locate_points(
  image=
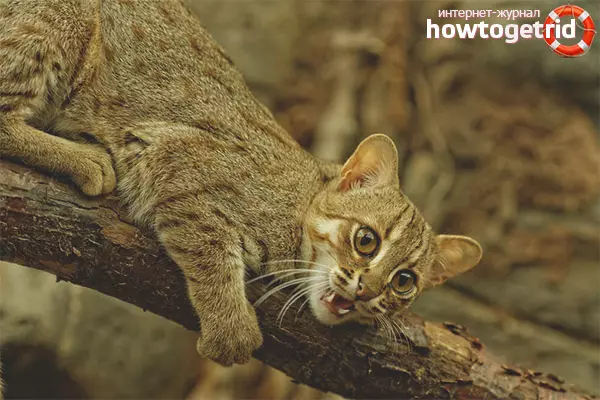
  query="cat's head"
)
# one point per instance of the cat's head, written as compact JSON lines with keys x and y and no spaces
{"x":372,"y":250}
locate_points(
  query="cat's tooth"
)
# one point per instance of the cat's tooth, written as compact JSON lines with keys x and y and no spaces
{"x":329,"y":298}
{"x":343,"y":311}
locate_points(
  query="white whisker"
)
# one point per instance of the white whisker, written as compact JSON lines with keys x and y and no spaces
{"x":283,"y":286}
{"x":282,"y":277}
{"x":301,"y":307}
{"x":396,"y":329}
{"x":297,"y":296}
{"x":314,"y":281}
{"x":382,"y":324}
{"x":321,"y":291}
{"x":296,"y":261}
{"x":402,"y":329}
{"x":390,"y":329}
{"x":298,"y":270}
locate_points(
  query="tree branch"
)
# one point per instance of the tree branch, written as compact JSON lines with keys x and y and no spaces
{"x":48,"y":225}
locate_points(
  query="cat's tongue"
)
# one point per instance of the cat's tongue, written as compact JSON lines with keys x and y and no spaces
{"x":337,"y":304}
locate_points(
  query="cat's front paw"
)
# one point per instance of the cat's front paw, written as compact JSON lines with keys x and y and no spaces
{"x":93,"y":172}
{"x":230,"y":340}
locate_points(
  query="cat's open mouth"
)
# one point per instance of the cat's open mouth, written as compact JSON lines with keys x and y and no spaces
{"x":336,"y":304}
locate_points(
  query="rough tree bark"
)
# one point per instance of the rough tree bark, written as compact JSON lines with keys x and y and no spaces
{"x":48,"y":225}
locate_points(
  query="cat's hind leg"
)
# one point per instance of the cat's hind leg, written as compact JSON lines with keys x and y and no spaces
{"x":35,"y":71}
{"x":89,"y":166}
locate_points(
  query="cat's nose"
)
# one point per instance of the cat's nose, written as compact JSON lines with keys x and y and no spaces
{"x":361,"y":291}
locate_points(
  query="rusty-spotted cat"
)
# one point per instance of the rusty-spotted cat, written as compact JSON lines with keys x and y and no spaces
{"x":196,"y":157}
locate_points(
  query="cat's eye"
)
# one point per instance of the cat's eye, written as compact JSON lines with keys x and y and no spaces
{"x":404,"y":282}
{"x":366,"y":242}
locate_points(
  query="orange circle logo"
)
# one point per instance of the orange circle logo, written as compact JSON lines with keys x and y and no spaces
{"x":582,"y":16}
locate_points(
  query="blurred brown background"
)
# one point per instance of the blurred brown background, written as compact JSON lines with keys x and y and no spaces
{"x":497,"y":141}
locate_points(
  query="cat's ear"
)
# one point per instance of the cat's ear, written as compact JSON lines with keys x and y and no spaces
{"x":456,"y":254}
{"x":374,"y":163}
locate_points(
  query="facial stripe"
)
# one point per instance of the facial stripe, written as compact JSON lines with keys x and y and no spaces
{"x":383,"y":304}
{"x":396,"y":220}
{"x":347,"y":272}
{"x":376,"y":306}
{"x":356,"y":218}
{"x":418,"y":242}
{"x":401,"y":226}
{"x":343,"y":281}
{"x":417,"y":252}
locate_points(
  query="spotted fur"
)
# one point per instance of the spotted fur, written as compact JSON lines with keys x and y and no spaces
{"x":198,"y":159}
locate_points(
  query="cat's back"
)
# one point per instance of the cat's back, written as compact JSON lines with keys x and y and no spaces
{"x":162,"y":65}
{"x":156,"y":42}
{"x":136,"y":62}
{"x":160,"y":61}
{"x":154,"y":61}
{"x":128,"y":60}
